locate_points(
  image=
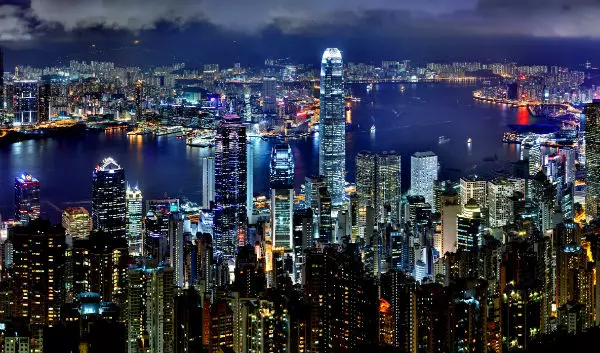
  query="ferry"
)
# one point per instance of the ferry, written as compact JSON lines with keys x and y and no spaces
{"x":373,"y":128}
{"x":469,"y":140}
{"x":443,"y":139}
{"x":369,"y":87}
{"x":202,"y":139}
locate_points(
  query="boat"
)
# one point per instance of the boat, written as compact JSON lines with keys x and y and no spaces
{"x":443,"y":139}
{"x":369,"y":87}
{"x":373,"y":128}
{"x":201,"y":140}
{"x":469,"y":140}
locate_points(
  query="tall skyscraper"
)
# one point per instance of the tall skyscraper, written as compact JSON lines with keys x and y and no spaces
{"x":76,"y":222}
{"x":250,"y":181}
{"x":133,"y":198}
{"x":365,"y":178}
{"x":472,"y":187}
{"x":269,"y":91}
{"x":469,"y":227}
{"x":139,"y":92}
{"x":388,"y":185}
{"x":332,"y":128}
{"x":208,"y":181}
{"x":109,"y":207}
{"x":230,"y":185}
{"x":423,"y":173}
{"x":27,"y":198}
{"x":592,"y":157}
{"x":282,"y":195}
{"x":25,"y":103}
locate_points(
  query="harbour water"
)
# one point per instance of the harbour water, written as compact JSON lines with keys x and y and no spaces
{"x":407,"y":120}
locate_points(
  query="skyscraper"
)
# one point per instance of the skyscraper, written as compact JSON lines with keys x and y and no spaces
{"x":282,"y":195}
{"x":133,"y":198}
{"x":109,"y":207}
{"x":472,"y":187}
{"x":208,"y":181}
{"x":27,"y":198}
{"x":423,"y":173}
{"x":269,"y":91}
{"x":230,"y":185}
{"x":592,"y":156}
{"x":469,"y":227}
{"x":25,"y":103}
{"x":76,"y":222}
{"x":365,"y":178}
{"x":388,"y":185}
{"x":332,"y":130}
{"x":139,"y":91}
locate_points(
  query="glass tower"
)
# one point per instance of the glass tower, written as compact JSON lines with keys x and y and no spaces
{"x":27,"y":198}
{"x":108,"y":198}
{"x":388,"y":184}
{"x":423,"y":174}
{"x":133,"y":199}
{"x":592,"y":155}
{"x":230,"y":185}
{"x":25,"y":103}
{"x":282,"y":195}
{"x":332,"y":134}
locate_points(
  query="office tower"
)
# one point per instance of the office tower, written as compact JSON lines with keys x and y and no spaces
{"x":325,"y":220}
{"x":39,"y":272}
{"x":303,"y":238}
{"x":332,"y":125}
{"x":27,"y":198}
{"x":388,"y":185}
{"x":109,"y":207}
{"x":208,"y":181}
{"x":204,"y":262}
{"x":44,"y":95}
{"x":365,"y":178}
{"x":269,"y":92}
{"x":176,"y":247}
{"x":25,"y":103}
{"x":156,"y":230}
{"x":449,"y":212}
{"x":247,"y":104}
{"x":473,"y":187}
{"x":313,"y":184}
{"x":76,"y":222}
{"x":470,"y":227}
{"x":499,"y":192}
{"x":230,"y":185}
{"x":133,"y":199}
{"x":592,"y":160}
{"x":282,"y":195}
{"x":423,"y":174}
{"x":139,"y":96}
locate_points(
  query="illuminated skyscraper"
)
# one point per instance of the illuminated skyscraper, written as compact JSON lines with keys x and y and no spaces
{"x":365,"y":178}
{"x":282,"y":195}
{"x":388,"y":185}
{"x":592,"y":156}
{"x":25,"y":103}
{"x":500,"y":209}
{"x":76,"y":222}
{"x":470,"y":227}
{"x":472,"y":187}
{"x":423,"y":173}
{"x":109,"y":207}
{"x":208,"y":181}
{"x":269,"y":91}
{"x":139,"y":91}
{"x":27,"y":198}
{"x":133,"y":198}
{"x":332,"y":129}
{"x":230,"y":185}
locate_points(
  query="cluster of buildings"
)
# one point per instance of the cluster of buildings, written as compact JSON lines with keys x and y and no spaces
{"x":477,"y":265}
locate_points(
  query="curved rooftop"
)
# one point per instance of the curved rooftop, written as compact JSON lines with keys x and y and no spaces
{"x":108,"y":164}
{"x":332,"y":54}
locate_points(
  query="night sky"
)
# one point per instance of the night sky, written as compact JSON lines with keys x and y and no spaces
{"x":45,"y":32}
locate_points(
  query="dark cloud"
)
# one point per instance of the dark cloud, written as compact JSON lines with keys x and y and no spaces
{"x":23,"y":20}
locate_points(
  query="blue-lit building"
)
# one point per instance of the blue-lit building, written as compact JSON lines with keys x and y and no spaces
{"x":25,"y":103}
{"x":230,"y":185}
{"x":470,"y":227}
{"x":282,"y":195}
{"x":27,"y":198}
{"x":109,"y":207}
{"x":332,"y":125}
